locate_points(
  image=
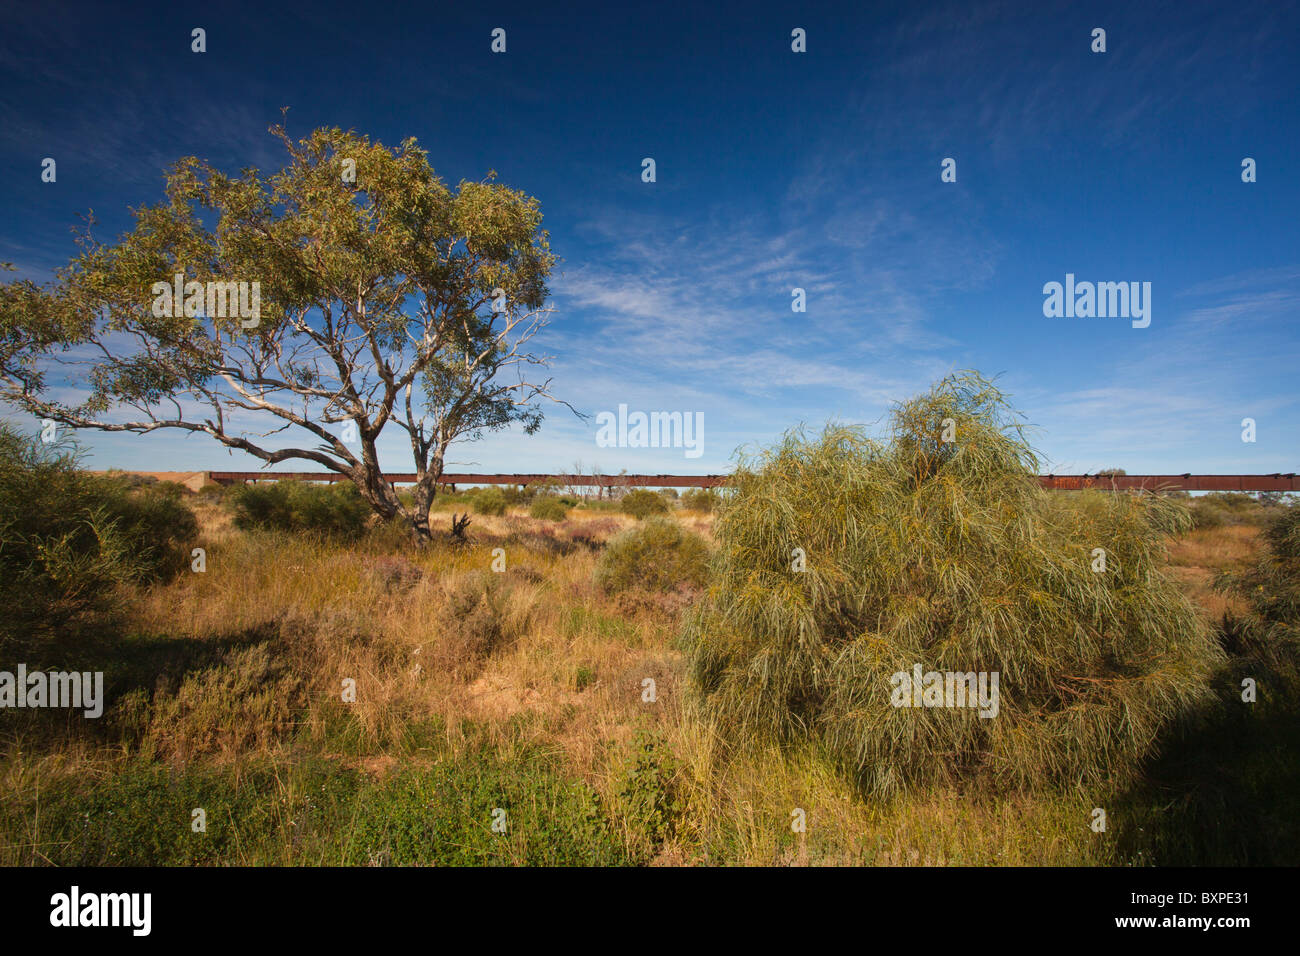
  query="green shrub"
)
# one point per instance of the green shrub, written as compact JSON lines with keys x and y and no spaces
{"x":516,"y":494}
{"x":71,"y":541}
{"x":656,"y":555}
{"x":548,"y":509}
{"x":489,"y":501}
{"x":445,"y":815}
{"x":1238,"y":501}
{"x":950,"y":555}
{"x":701,"y":499}
{"x":1271,"y":586}
{"x":641,"y":503}
{"x":600,"y":504}
{"x":649,"y":802}
{"x":213,"y":493}
{"x":1208,"y":515}
{"x":549,"y":488}
{"x":524,"y":494}
{"x":312,"y":811}
{"x":1231,"y":508}
{"x":445,"y":500}
{"x":117,"y":819}
{"x":336,"y":509}
{"x":157,"y":525}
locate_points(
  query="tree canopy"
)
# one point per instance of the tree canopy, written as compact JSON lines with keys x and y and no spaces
{"x":346,"y":292}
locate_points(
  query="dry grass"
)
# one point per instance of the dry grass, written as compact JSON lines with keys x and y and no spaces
{"x":533,"y":659}
{"x":411,"y":645}
{"x":1195,"y":559}
{"x":1215,"y":548}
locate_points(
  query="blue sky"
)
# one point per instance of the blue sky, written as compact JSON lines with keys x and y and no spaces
{"x":775,"y":170}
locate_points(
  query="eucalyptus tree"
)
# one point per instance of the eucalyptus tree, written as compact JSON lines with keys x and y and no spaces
{"x":295,"y":315}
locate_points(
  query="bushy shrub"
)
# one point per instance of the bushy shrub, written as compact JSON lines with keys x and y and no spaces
{"x":1220,"y":508}
{"x":1238,"y":501}
{"x":430,"y":815}
{"x":157,"y":525}
{"x":600,"y":504}
{"x":515,"y":494}
{"x":649,"y":800}
{"x":524,"y":494}
{"x":640,"y":503}
{"x":656,"y":555}
{"x":419,"y":815}
{"x":549,"y":488}
{"x":336,"y":509}
{"x":489,"y":501}
{"x":843,"y":562}
{"x":70,"y":541}
{"x":1209,"y":515}
{"x":700,"y":499}
{"x":132,"y":480}
{"x":211,"y":493}
{"x":444,"y":500}
{"x":548,"y":509}
{"x":1271,"y":586}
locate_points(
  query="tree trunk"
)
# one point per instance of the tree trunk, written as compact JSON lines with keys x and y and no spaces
{"x":379,"y":494}
{"x":423,"y":494}
{"x":420,"y":525}
{"x":383,"y":498}
{"x":384,"y":501}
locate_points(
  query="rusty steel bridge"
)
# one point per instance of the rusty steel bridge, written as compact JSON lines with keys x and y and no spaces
{"x":1184,"y":482}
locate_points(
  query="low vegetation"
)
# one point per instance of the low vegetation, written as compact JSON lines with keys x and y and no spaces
{"x":1231,"y":508}
{"x":641,"y":503}
{"x":73,"y":544}
{"x":583,"y":690}
{"x":701,"y":499}
{"x":489,"y":501}
{"x":337,"y":510}
{"x":657,"y":555}
{"x":549,"y":509}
